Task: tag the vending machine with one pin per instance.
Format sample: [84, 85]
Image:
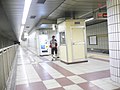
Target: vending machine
[43, 45]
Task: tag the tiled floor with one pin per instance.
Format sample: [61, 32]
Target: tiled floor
[40, 73]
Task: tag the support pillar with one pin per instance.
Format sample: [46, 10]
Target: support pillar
[113, 11]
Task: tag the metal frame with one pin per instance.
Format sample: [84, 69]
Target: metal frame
[65, 43]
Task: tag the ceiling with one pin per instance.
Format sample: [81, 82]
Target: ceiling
[6, 29]
[51, 9]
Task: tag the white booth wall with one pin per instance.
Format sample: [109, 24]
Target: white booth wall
[74, 48]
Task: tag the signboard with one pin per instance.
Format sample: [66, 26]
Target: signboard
[101, 15]
[93, 40]
[77, 22]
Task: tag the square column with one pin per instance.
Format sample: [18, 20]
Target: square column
[113, 11]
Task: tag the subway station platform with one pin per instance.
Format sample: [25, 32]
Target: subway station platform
[40, 73]
[85, 35]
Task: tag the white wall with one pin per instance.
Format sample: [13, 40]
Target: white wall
[102, 35]
[32, 42]
[56, 34]
[50, 34]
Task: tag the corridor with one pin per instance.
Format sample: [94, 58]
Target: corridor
[40, 73]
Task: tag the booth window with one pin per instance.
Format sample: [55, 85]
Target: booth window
[62, 38]
[93, 40]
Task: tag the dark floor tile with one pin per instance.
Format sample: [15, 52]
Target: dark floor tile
[60, 69]
[37, 86]
[64, 81]
[32, 86]
[43, 74]
[96, 75]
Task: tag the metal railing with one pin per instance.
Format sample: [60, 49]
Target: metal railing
[6, 59]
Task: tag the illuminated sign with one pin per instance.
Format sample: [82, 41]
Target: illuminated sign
[101, 15]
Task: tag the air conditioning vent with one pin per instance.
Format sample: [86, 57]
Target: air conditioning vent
[41, 1]
[32, 17]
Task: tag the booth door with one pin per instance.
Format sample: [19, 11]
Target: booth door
[78, 43]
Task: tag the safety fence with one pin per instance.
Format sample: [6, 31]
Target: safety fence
[6, 60]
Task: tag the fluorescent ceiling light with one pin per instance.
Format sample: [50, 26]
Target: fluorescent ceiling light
[53, 27]
[25, 35]
[89, 19]
[26, 10]
[43, 26]
[25, 14]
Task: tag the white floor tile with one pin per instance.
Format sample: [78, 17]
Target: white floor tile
[105, 84]
[54, 73]
[76, 79]
[72, 87]
[22, 82]
[21, 79]
[50, 84]
[34, 80]
[87, 67]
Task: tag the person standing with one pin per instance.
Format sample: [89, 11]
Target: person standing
[53, 46]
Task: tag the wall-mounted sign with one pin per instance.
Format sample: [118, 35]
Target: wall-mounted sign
[93, 40]
[101, 15]
[77, 22]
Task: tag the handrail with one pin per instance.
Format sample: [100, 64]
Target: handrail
[5, 48]
[7, 55]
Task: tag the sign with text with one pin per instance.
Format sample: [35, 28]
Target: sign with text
[101, 15]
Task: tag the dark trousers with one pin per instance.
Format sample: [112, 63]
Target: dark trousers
[53, 50]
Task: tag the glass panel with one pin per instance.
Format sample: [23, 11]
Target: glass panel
[62, 38]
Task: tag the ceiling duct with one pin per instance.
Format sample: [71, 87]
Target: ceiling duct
[41, 1]
[60, 20]
[47, 21]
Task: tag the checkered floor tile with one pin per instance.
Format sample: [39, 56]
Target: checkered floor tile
[35, 73]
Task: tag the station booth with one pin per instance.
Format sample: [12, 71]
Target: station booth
[73, 46]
